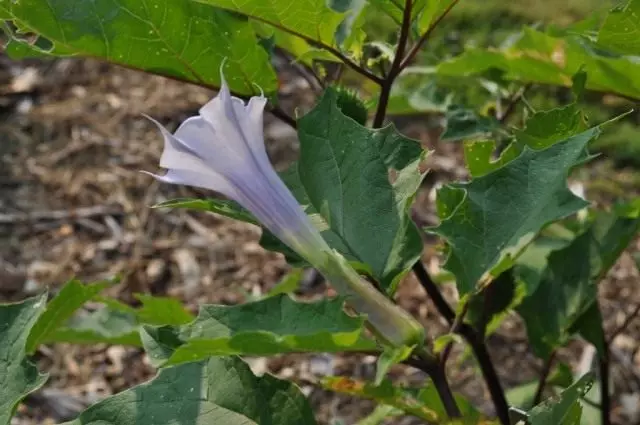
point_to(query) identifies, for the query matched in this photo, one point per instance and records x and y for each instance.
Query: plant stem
(416, 47)
(605, 398)
(433, 367)
(546, 370)
(624, 325)
(387, 82)
(334, 51)
(473, 339)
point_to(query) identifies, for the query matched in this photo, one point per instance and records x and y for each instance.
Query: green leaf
(106, 325)
(380, 414)
(621, 29)
(464, 123)
(342, 179)
(567, 289)
(162, 311)
(262, 327)
(564, 409)
(546, 128)
(489, 307)
(70, 298)
(18, 376)
(523, 395)
(540, 58)
(218, 391)
(226, 208)
(289, 284)
(385, 393)
(492, 218)
(311, 19)
(179, 38)
(432, 10)
(390, 356)
(424, 403)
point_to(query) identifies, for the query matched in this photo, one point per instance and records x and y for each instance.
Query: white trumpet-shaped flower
(222, 149)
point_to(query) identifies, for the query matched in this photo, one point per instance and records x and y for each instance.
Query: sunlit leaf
(70, 298)
(269, 326)
(313, 19)
(621, 29)
(218, 391)
(178, 38)
(18, 376)
(540, 58)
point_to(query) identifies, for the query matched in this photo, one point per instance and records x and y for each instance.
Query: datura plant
(512, 239)
(222, 149)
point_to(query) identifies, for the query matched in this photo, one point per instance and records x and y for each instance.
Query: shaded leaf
(288, 284)
(258, 328)
(489, 307)
(106, 325)
(464, 123)
(567, 288)
(219, 391)
(71, 297)
(492, 218)
(18, 376)
(563, 409)
(180, 38)
(523, 395)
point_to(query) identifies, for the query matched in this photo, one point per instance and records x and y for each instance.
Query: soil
(74, 204)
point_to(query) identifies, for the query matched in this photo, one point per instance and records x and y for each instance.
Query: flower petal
(230, 116)
(210, 180)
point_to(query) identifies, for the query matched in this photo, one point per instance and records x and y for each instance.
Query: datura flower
(222, 149)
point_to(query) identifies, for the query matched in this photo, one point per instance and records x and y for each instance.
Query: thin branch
(283, 116)
(513, 102)
(473, 339)
(624, 325)
(394, 70)
(430, 365)
(605, 397)
(546, 370)
(416, 47)
(335, 52)
(455, 328)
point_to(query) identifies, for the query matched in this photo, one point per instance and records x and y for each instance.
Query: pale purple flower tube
(222, 149)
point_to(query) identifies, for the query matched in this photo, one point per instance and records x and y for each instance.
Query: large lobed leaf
(274, 325)
(18, 376)
(177, 38)
(490, 219)
(218, 391)
(342, 178)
